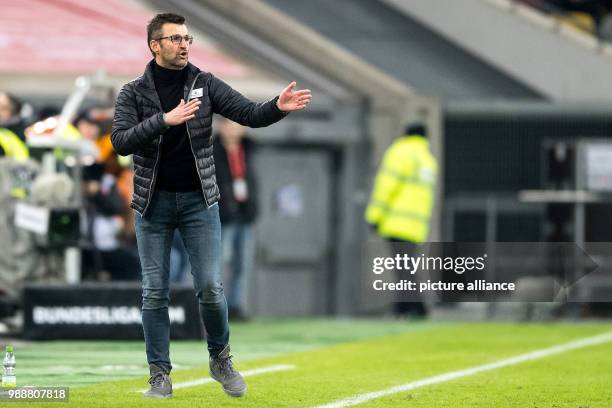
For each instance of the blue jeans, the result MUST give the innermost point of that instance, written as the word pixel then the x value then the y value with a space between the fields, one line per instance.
pixel 179 260
pixel 238 256
pixel 200 230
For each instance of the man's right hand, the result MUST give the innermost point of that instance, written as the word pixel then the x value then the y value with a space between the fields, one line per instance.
pixel 182 113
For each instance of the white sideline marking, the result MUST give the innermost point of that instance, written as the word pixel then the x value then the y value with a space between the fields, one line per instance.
pixel 247 373
pixel 534 355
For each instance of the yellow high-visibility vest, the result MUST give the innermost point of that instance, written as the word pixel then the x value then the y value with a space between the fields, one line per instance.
pixel 403 195
pixel 12 145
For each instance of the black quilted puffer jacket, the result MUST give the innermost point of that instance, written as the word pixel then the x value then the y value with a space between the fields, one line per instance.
pixel 138 127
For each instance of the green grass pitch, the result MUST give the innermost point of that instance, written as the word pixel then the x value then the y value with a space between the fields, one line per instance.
pixel 337 359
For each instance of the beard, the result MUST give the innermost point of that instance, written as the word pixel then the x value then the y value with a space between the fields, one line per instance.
pixel 175 60
pixel 178 62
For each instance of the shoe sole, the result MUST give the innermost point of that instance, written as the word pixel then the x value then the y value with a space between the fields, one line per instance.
pixel 235 394
pixel 157 396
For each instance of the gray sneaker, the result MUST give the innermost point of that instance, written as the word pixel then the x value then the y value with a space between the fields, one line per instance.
pixel 161 386
pixel 222 370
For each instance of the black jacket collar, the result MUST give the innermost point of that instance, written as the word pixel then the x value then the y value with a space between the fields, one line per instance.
pixel 146 85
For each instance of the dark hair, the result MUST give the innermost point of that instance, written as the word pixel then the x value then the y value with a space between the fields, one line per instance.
pixel 14 102
pixel 416 128
pixel 83 115
pixel 154 27
pixel 47 111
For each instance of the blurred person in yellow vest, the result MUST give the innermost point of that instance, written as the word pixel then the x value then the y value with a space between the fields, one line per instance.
pixel 11 145
pixel 402 198
pixel 403 195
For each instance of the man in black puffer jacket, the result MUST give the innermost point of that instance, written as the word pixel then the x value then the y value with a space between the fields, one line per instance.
pixel 164 119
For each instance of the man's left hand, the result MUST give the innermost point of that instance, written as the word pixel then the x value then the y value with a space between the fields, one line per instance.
pixel 292 100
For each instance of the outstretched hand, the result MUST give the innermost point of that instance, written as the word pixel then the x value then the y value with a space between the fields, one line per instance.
pixel 292 100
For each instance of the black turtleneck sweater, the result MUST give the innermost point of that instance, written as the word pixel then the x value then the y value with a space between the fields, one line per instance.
pixel 177 169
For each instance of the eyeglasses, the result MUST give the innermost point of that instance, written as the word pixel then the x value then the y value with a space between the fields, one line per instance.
pixel 177 38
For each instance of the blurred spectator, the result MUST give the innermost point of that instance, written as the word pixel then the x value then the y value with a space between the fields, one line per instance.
pixel 403 197
pixel 10 115
pixel 12 128
pixel 105 208
pixel 237 209
pixel 120 167
pixel 88 128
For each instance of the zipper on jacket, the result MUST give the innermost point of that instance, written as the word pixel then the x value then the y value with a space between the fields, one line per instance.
pixel 195 159
pixel 154 174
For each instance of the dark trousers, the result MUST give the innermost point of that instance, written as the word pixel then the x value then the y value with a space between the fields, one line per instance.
pixel 402 307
